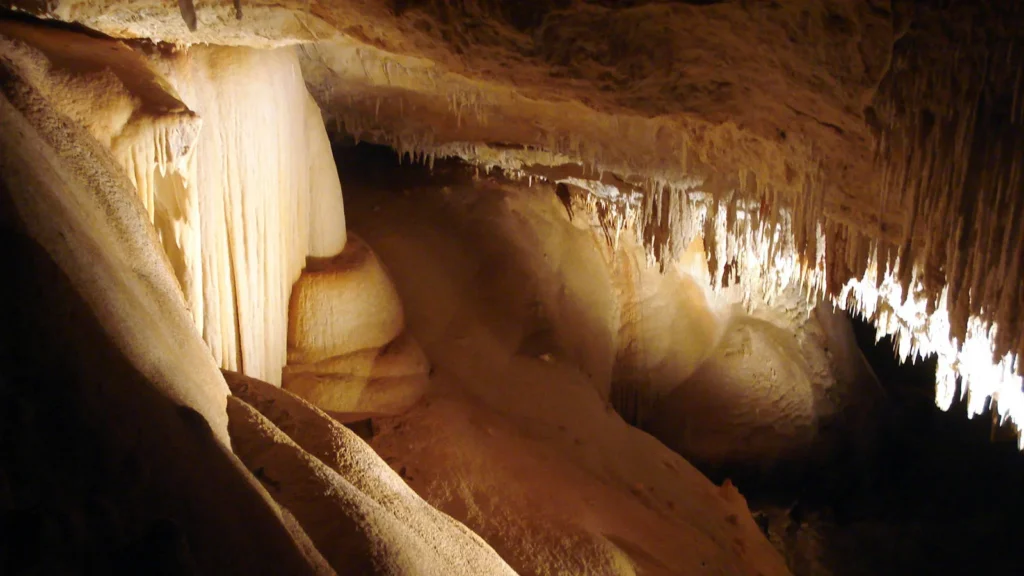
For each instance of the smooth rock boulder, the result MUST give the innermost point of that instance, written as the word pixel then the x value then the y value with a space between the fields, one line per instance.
pixel 342 304
pixel 347 349
pixel 365 383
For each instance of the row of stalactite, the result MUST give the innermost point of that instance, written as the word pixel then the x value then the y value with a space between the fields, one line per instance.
pixel 947 222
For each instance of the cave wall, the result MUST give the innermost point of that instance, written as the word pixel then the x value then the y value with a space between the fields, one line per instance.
pixel 540 320
pixel 258 186
pixel 517 309
pixel 239 183
pixel 116 448
pixel 879 137
pixel 124 451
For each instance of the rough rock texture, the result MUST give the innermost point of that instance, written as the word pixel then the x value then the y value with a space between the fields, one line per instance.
pixel 115 454
pixel 116 94
pixel 347 352
pixel 358 511
pixel 827 61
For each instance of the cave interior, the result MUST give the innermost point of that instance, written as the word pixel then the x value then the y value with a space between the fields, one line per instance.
pixel 565 287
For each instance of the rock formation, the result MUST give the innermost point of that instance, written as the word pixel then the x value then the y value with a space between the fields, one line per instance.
pixel 660 206
pixel 357 511
pixel 119 432
pixel 347 349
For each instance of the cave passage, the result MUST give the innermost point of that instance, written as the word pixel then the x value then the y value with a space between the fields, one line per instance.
pixel 571 312
pixel 941 493
pixel 902 487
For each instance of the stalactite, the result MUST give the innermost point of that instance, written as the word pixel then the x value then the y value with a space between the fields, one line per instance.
pixel 946 229
pixel 267 195
pixel 159 156
pixel 952 163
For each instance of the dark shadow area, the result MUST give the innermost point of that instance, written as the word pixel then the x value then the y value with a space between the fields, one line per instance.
pixel 100 473
pixel 940 493
pixel 365 165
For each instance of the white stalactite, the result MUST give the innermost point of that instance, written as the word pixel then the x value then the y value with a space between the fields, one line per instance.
pixel 262 189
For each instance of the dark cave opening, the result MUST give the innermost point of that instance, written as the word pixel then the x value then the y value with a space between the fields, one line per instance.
pixel 938 492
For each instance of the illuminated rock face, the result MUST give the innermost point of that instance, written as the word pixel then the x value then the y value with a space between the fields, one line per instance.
pixel 859 130
pixel 238 183
pixel 347 352
pixel 268 196
pixel 541 334
pixel 127 423
pixel 751 142
pixel 132 424
pixel 116 94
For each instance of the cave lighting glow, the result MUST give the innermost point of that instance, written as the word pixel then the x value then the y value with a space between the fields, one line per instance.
pixel 767 262
pixel 918 334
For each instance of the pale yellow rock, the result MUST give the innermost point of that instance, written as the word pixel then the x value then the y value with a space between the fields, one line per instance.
pixel 373 382
pixel 342 304
pixel 267 192
pixel 200 146
pixel 352 398
pixel 116 94
pixel 669 324
pixel 400 357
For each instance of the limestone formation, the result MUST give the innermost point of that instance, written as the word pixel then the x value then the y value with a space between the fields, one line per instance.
pixel 827 135
pixel 663 202
pixel 118 425
pixel 347 352
pixel 386 380
pixel 268 196
pixel 342 304
pixel 494 278
pixel 201 147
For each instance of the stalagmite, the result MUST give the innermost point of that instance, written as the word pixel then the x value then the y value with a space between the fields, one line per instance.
pixel 347 350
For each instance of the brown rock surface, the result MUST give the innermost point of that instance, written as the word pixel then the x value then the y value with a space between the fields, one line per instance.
pixel 877 120
pixel 517 438
pixel 359 512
